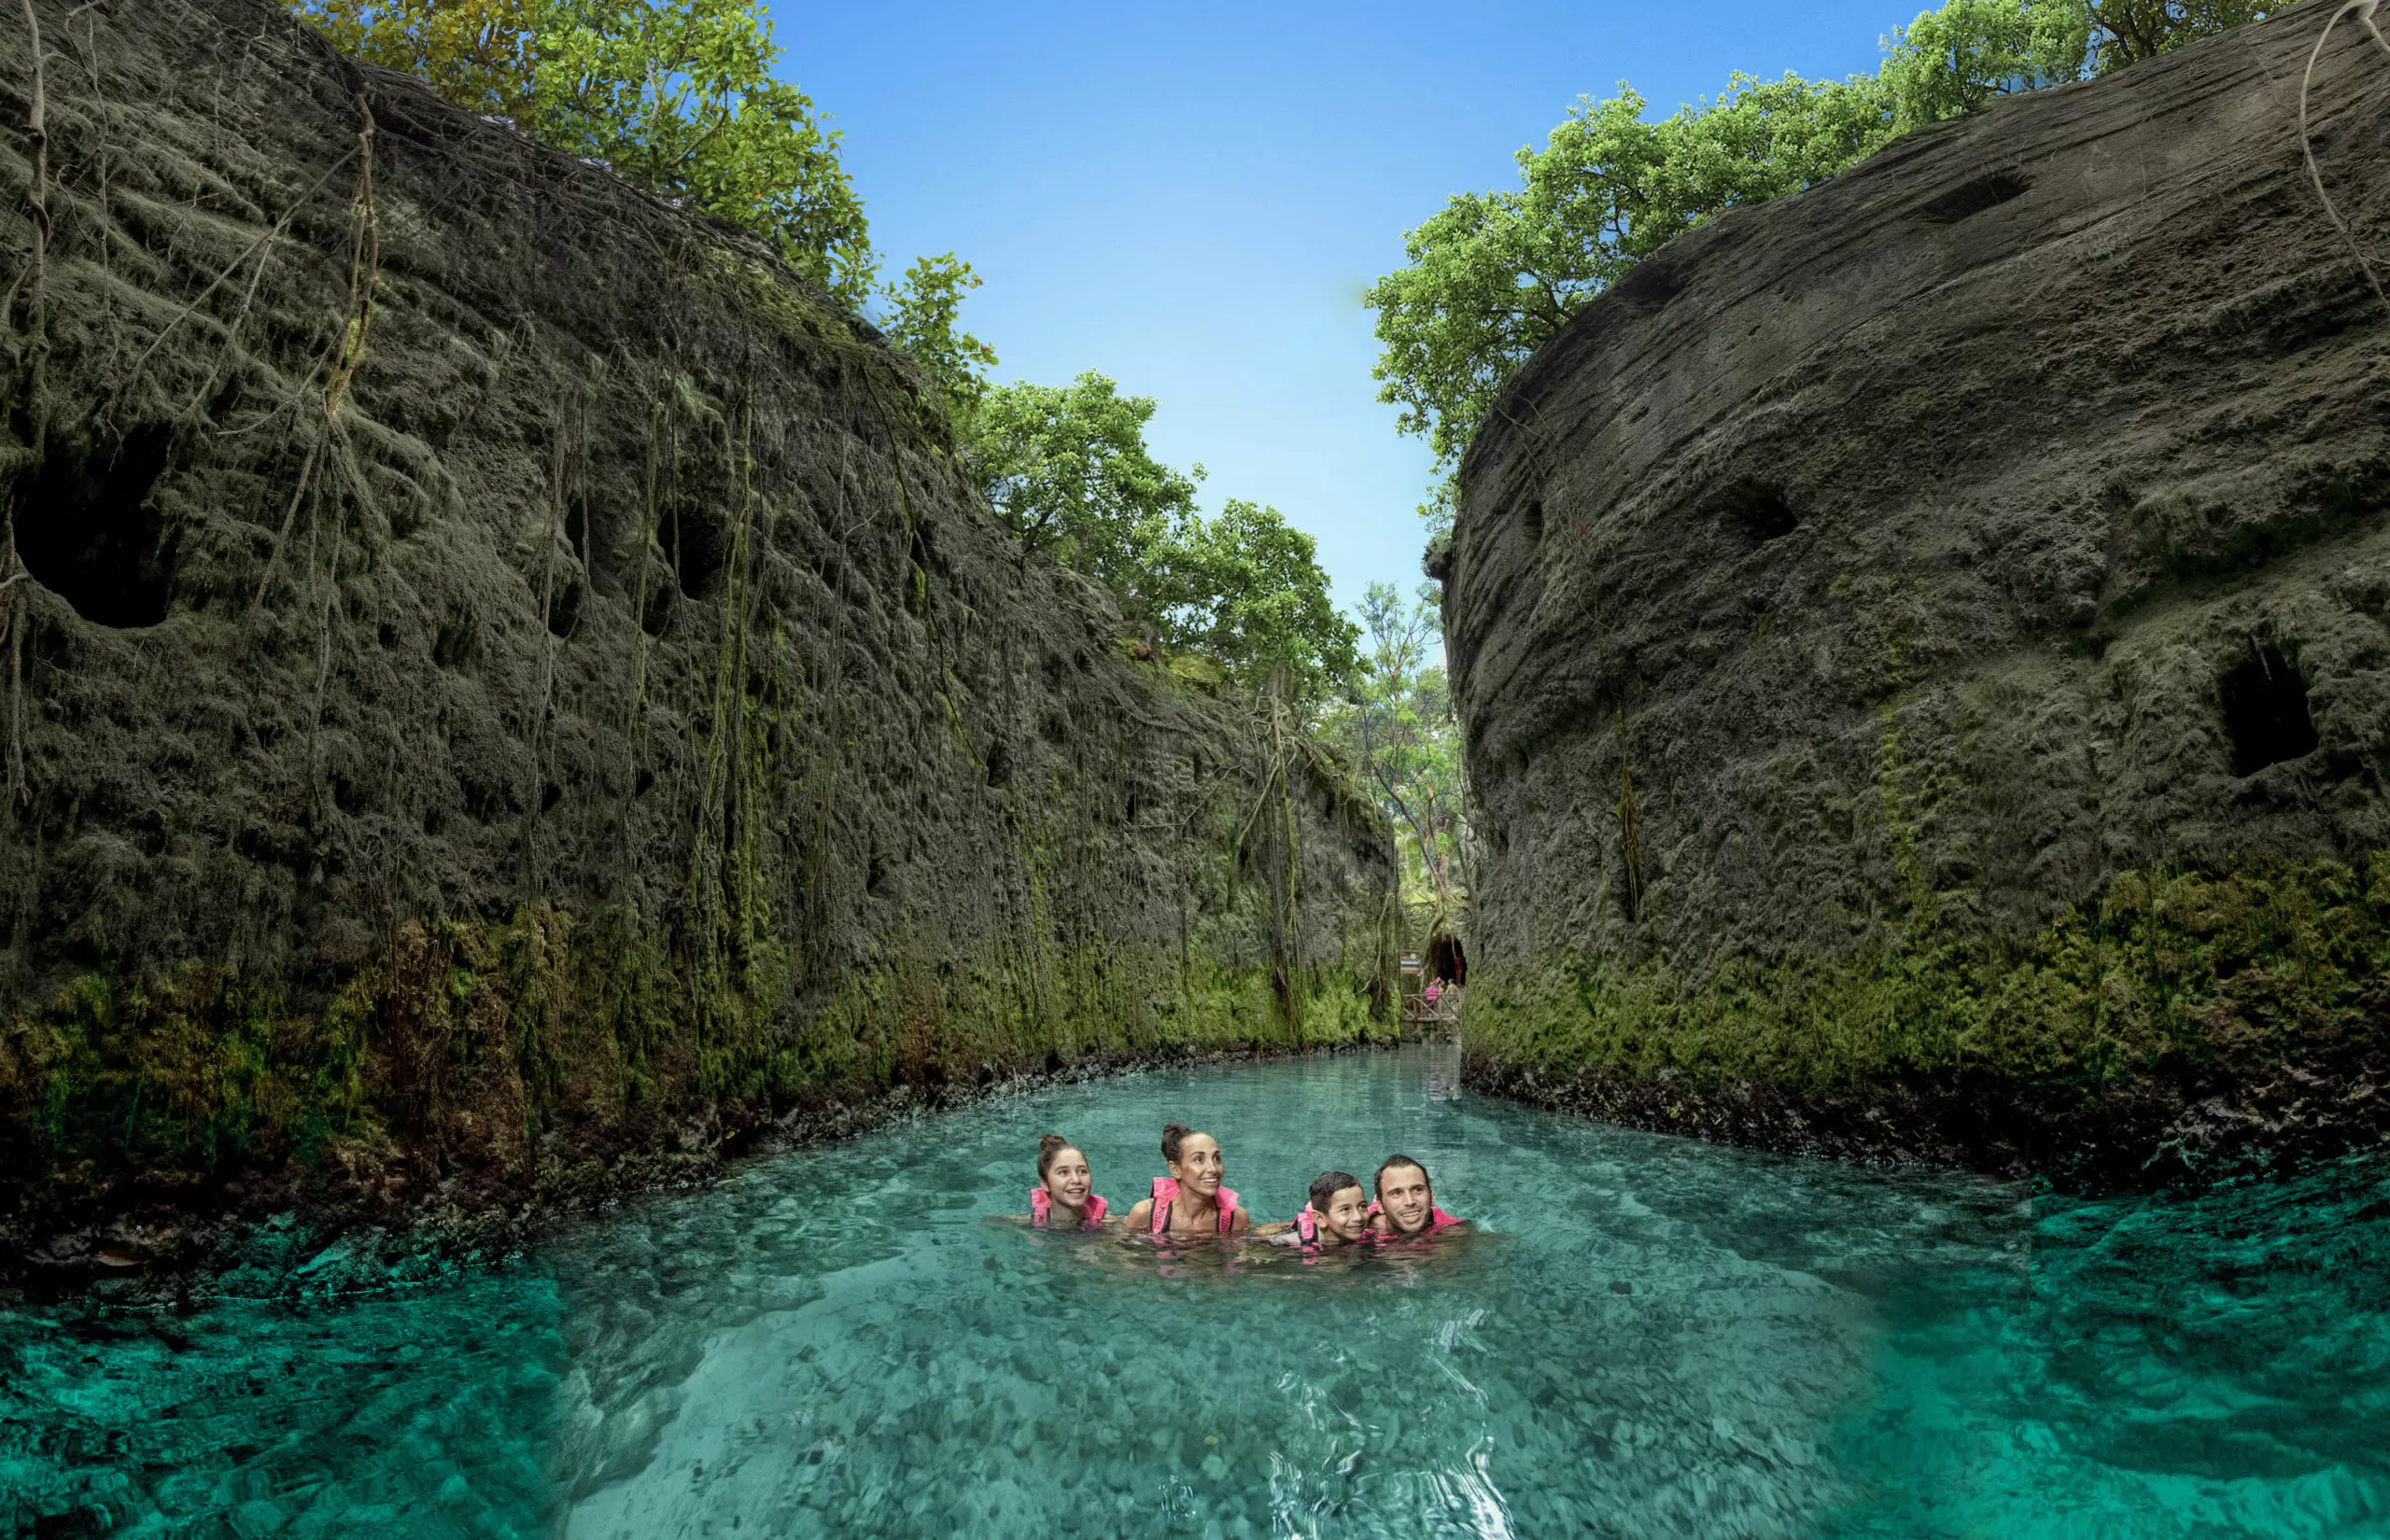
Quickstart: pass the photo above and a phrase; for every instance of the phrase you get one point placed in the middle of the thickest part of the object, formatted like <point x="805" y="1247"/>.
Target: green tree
<point x="678" y="97"/>
<point x="1067" y="470"/>
<point x="1244" y="588"/>
<point x="1492" y="275"/>
<point x="1397" y="726"/>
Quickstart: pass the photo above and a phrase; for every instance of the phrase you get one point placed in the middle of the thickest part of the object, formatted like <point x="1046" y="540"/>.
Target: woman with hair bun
<point x="1190" y="1201"/>
<point x="1064" y="1198"/>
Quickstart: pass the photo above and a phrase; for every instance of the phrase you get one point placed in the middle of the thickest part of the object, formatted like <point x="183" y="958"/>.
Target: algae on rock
<point x="508" y="689"/>
<point x="1946" y="555"/>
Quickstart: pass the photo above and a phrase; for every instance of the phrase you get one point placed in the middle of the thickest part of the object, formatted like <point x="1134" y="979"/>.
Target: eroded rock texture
<point x="504" y="676"/>
<point x="1930" y="549"/>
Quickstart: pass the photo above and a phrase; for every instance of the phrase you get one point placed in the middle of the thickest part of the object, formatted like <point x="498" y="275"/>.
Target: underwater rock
<point x="1869" y="615"/>
<point x="510" y="693"/>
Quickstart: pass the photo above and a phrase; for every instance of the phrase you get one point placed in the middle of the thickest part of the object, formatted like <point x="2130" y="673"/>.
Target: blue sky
<point x="1191" y="199"/>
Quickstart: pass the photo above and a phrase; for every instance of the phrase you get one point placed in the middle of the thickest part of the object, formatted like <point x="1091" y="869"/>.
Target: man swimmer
<point x="1406" y="1205"/>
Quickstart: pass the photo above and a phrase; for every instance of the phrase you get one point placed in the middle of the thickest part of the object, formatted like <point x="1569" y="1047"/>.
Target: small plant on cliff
<point x="1492" y="275"/>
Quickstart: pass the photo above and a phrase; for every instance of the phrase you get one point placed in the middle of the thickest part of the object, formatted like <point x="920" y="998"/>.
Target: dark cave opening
<point x="1758" y="508"/>
<point x="2266" y="718"/>
<point x="86" y="531"/>
<point x="1445" y="961"/>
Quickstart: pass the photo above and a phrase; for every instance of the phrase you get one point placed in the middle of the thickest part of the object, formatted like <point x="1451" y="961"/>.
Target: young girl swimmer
<point x="1190" y="1199"/>
<point x="1406" y="1205"/>
<point x="1337" y="1215"/>
<point x="1064" y="1198"/>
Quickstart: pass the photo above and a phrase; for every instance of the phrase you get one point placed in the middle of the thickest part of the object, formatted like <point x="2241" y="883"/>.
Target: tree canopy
<point x="1067" y="467"/>
<point x="1067" y="470"/>
<point x="1244" y="588"/>
<point x="1491" y="276"/>
<point x="1397" y="726"/>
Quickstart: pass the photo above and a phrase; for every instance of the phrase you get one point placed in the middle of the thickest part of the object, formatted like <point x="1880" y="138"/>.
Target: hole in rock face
<point x="457" y="641"/>
<point x="86" y="532"/>
<point x="1532" y="522"/>
<point x="1759" y="509"/>
<point x="1649" y="285"/>
<point x="1972" y="198"/>
<point x="1447" y="961"/>
<point x="2265" y="710"/>
<point x="696" y="544"/>
<point x="564" y="608"/>
<point x="657" y="616"/>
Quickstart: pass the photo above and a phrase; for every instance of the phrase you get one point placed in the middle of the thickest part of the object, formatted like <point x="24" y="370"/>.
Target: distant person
<point x="1406" y="1202"/>
<point x="1338" y="1215"/>
<point x="1064" y="1197"/>
<point x="1190" y="1201"/>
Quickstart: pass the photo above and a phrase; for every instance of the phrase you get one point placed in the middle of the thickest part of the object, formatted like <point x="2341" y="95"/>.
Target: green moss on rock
<point x="2183" y="1012"/>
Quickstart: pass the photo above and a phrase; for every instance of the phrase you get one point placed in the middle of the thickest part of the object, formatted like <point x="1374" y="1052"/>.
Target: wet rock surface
<point x="508" y="687"/>
<point x="1902" y="563"/>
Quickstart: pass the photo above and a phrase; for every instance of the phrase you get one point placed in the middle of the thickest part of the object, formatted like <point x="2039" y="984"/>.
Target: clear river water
<point x="1645" y="1337"/>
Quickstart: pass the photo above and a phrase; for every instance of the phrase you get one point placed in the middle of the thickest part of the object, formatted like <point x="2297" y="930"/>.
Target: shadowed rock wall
<point x="504" y="679"/>
<point x="1855" y="596"/>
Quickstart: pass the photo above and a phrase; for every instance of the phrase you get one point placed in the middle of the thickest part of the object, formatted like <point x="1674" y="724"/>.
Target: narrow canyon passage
<point x="1646" y="1336"/>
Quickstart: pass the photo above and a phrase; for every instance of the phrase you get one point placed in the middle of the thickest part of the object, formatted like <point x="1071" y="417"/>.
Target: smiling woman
<point x="1190" y="1201"/>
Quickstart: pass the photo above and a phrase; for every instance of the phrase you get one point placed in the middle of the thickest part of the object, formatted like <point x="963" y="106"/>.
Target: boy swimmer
<point x="1337" y="1215"/>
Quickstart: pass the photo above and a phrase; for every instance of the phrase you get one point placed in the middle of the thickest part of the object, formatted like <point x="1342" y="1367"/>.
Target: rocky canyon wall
<point x="1923" y="645"/>
<point x="507" y="689"/>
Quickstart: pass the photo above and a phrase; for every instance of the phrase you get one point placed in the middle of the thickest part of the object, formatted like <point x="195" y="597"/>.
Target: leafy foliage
<point x="1492" y="275"/>
<point x="1065" y="467"/>
<point x="1246" y="589"/>
<point x="925" y="319"/>
<point x="677" y="96"/>
<point x="1398" y="727"/>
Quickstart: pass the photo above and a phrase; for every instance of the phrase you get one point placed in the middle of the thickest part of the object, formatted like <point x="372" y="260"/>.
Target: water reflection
<point x="1647" y="1337"/>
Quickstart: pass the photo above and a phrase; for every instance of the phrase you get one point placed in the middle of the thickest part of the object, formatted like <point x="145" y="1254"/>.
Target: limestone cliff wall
<point x="504" y="678"/>
<point x="1853" y="597"/>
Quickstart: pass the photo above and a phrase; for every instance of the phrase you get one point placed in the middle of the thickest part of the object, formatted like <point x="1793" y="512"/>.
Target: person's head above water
<point x="1338" y="1206"/>
<point x="1062" y="1170"/>
<point x="1405" y="1196"/>
<point x="1194" y="1160"/>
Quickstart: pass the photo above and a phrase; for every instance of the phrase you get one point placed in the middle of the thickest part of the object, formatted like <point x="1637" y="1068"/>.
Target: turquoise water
<point x="1651" y="1338"/>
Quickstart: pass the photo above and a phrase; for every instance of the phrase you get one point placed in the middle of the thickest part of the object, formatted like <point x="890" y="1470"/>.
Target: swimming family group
<point x="1191" y="1201"/>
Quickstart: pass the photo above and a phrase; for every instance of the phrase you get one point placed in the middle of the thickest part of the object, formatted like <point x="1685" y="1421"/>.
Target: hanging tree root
<point x="37" y="210"/>
<point x="364" y="272"/>
<point x="2363" y="10"/>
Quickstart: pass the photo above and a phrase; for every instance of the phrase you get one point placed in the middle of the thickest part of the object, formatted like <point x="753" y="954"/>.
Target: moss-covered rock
<point x="506" y="687"/>
<point x="1856" y="617"/>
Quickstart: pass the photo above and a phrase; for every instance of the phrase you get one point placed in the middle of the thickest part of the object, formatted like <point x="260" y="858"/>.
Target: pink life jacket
<point x="1166" y="1193"/>
<point x="1041" y="1203"/>
<point x="1437" y="1219"/>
